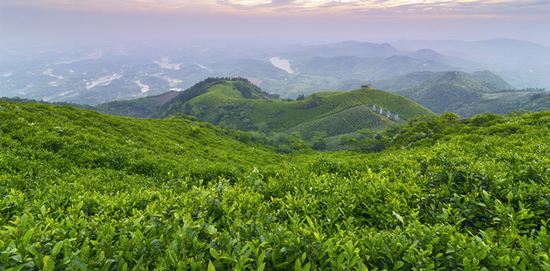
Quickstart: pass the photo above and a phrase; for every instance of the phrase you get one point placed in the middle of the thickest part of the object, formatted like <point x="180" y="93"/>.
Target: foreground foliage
<point x="80" y="190"/>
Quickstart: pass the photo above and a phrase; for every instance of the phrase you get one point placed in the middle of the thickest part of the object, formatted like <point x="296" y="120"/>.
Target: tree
<point x="318" y="141"/>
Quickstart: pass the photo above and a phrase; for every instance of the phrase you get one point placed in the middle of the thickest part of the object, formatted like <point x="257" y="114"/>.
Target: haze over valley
<point x="98" y="75"/>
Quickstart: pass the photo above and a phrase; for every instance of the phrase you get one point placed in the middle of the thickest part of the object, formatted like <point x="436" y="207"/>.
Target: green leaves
<point x="211" y="266"/>
<point x="211" y="229"/>
<point x="49" y="264"/>
<point x="141" y="194"/>
<point x="398" y="216"/>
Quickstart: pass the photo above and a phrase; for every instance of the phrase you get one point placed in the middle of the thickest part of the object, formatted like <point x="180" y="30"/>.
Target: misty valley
<point x="443" y="83"/>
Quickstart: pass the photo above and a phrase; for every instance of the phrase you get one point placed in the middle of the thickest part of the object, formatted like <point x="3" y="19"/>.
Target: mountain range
<point x="97" y="75"/>
<point x="523" y="64"/>
<point x="467" y="94"/>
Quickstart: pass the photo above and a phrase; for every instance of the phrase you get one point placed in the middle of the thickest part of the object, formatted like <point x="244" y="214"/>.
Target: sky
<point x="271" y="21"/>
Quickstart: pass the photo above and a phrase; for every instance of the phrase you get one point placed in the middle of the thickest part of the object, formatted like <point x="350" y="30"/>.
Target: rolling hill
<point x="88" y="191"/>
<point x="238" y="104"/>
<point x="481" y="81"/>
<point x="467" y="94"/>
<point x="524" y="64"/>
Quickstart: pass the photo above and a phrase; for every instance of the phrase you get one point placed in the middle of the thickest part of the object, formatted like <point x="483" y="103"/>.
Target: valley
<point x="110" y="73"/>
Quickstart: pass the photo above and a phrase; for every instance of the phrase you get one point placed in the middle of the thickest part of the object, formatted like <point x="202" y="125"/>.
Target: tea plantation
<point x="80" y="190"/>
<point x="236" y="103"/>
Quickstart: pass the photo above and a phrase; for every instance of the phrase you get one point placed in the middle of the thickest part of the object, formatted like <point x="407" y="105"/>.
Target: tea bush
<point x="81" y="190"/>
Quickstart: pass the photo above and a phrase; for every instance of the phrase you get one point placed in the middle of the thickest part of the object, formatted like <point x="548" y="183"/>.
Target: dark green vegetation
<point x="239" y="105"/>
<point x="141" y="108"/>
<point x="24" y="100"/>
<point x="82" y="190"/>
<point x="466" y="94"/>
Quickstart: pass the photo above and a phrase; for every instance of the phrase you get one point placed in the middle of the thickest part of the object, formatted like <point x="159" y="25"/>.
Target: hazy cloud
<point x="439" y="7"/>
<point x="275" y="20"/>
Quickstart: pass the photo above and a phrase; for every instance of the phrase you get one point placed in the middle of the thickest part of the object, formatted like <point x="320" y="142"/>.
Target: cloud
<point x="282" y="2"/>
<point x="418" y="8"/>
<point x="281" y="21"/>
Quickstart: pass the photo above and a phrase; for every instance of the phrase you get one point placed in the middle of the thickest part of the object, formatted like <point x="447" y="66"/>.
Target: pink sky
<point x="303" y="21"/>
<point x="438" y="8"/>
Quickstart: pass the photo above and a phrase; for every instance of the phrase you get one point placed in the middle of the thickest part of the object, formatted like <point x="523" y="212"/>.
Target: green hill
<point x="493" y="81"/>
<point x="238" y="104"/>
<point x="141" y="108"/>
<point x="481" y="81"/>
<point x="82" y="190"/>
<point x="464" y="93"/>
<point x="116" y="142"/>
<point x="447" y="91"/>
<point x="360" y="68"/>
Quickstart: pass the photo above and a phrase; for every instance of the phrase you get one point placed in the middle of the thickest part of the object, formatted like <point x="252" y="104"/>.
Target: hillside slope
<point x="358" y="68"/>
<point x="481" y="81"/>
<point x="467" y="94"/>
<point x="137" y="146"/>
<point x="83" y="190"/>
<point x="237" y="104"/>
<point x="448" y="91"/>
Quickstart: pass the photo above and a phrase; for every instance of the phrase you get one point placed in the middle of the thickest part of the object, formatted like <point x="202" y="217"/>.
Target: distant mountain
<point x="433" y="56"/>
<point x="493" y="81"/>
<point x="447" y="91"/>
<point x="404" y="82"/>
<point x="100" y="75"/>
<point x="523" y="64"/>
<point x="465" y="93"/>
<point x="399" y="65"/>
<point x="506" y="102"/>
<point x="495" y="51"/>
<point x="353" y="67"/>
<point x="481" y="81"/>
<point x="348" y="48"/>
<point x="238" y="104"/>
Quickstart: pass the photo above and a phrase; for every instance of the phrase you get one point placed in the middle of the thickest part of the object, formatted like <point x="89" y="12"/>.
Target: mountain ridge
<point x="238" y="104"/>
<point x="465" y="93"/>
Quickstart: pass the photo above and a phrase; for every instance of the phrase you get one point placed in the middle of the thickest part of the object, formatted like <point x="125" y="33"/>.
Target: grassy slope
<point x="135" y="145"/>
<point x="85" y="190"/>
<point x="223" y="105"/>
<point x="448" y="91"/>
<point x="465" y="94"/>
<point x="482" y="81"/>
